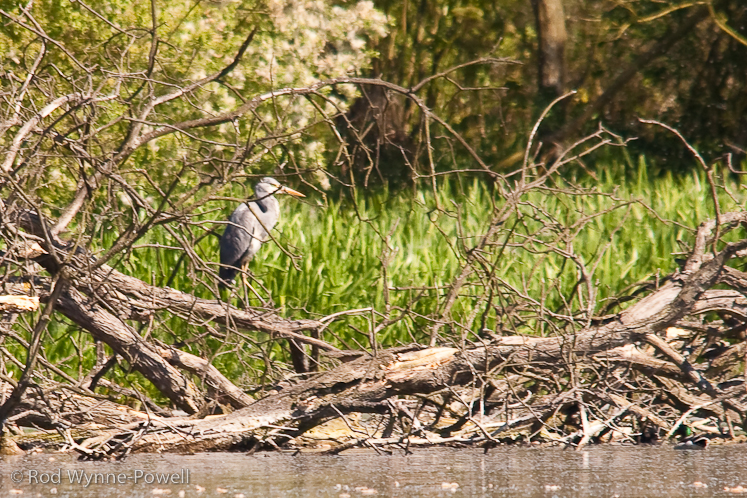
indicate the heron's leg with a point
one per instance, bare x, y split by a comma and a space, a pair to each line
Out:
245, 283
248, 286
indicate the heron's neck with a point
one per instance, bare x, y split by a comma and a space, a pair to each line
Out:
268, 203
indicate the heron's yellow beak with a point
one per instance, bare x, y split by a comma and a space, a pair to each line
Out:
290, 191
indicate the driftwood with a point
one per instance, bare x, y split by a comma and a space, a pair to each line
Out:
480, 394
370, 383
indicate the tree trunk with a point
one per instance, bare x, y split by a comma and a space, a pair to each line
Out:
551, 35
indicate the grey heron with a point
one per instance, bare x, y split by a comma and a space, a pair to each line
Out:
248, 228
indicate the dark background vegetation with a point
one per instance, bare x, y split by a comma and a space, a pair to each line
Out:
682, 63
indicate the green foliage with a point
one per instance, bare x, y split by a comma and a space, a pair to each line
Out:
136, 54
341, 263
339, 248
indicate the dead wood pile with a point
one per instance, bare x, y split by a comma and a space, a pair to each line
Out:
670, 364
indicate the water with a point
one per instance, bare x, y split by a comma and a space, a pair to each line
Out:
537, 472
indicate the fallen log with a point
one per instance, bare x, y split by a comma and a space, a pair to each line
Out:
100, 298
140, 354
211, 375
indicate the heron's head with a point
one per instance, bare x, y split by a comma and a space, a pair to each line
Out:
269, 186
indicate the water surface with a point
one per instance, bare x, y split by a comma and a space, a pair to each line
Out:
503, 472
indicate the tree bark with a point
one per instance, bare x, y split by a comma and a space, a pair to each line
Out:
123, 339
17, 304
211, 375
551, 35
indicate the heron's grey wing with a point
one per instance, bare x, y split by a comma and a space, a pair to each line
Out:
247, 229
237, 241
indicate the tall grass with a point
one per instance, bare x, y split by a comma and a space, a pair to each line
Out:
341, 244
341, 255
